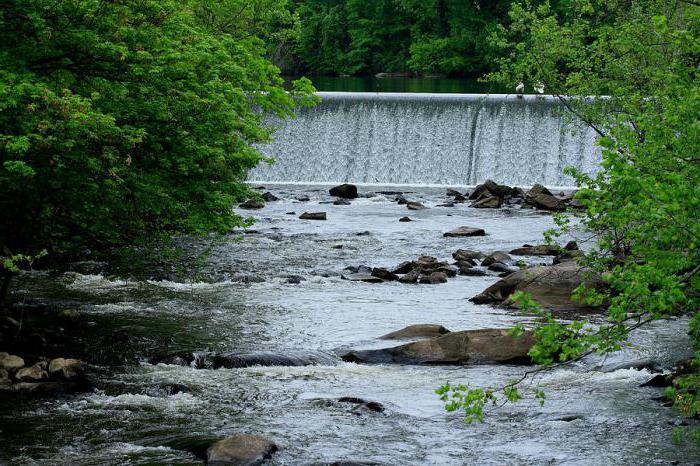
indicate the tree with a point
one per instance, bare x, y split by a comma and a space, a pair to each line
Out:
628, 70
126, 121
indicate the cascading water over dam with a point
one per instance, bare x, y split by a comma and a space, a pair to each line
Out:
433, 139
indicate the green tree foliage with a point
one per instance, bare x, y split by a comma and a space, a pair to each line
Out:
629, 70
124, 121
425, 36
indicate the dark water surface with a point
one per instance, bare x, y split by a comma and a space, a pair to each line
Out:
424, 85
131, 419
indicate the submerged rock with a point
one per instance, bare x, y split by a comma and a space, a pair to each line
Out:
550, 286
417, 330
313, 216
252, 204
269, 197
412, 205
241, 450
341, 202
263, 358
362, 277
465, 231
405, 219
362, 406
487, 346
346, 191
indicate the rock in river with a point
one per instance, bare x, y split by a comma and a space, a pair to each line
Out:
405, 219
346, 191
252, 204
413, 205
550, 286
539, 250
487, 346
313, 216
465, 231
418, 330
241, 450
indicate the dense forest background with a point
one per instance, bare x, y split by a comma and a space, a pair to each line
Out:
426, 37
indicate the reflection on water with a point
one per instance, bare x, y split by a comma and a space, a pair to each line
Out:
372, 84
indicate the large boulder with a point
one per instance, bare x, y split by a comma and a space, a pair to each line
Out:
550, 286
241, 450
346, 191
418, 330
465, 231
546, 202
487, 346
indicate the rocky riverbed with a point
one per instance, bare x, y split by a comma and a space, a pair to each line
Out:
281, 345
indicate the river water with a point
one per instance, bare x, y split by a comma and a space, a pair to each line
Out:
250, 305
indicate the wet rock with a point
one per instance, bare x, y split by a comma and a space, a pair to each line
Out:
252, 204
487, 346
413, 205
313, 216
545, 202
405, 219
346, 191
550, 286
539, 250
518, 193
446, 204
490, 188
497, 256
295, 279
401, 200
67, 369
269, 197
362, 406
175, 388
359, 269
466, 263
434, 278
302, 198
466, 255
69, 315
465, 231
362, 277
659, 380
571, 246
384, 274
472, 272
241, 450
290, 213
174, 361
538, 189
403, 267
568, 418
503, 268
453, 192
34, 373
10, 362
262, 358
363, 233
341, 202
410, 277
637, 364
489, 202
418, 330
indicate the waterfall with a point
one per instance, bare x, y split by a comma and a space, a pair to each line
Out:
429, 139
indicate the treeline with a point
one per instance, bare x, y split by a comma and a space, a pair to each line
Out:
360, 37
